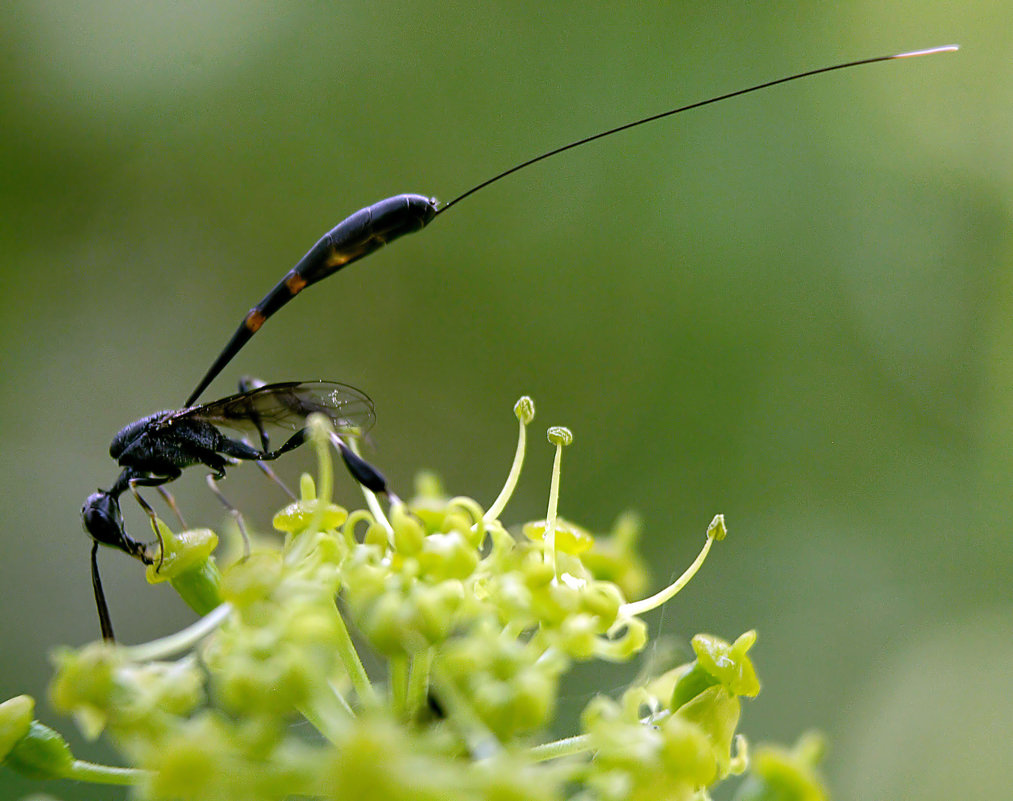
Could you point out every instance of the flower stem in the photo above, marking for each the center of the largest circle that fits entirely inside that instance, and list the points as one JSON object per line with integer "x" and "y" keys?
{"x": 83, "y": 771}
{"x": 418, "y": 682}
{"x": 568, "y": 746}
{"x": 353, "y": 665}
{"x": 647, "y": 604}
{"x": 523, "y": 418}
{"x": 328, "y": 712}
{"x": 181, "y": 640}
{"x": 399, "y": 684}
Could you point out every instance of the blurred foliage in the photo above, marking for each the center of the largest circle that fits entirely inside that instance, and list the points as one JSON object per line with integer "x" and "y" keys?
{"x": 793, "y": 308}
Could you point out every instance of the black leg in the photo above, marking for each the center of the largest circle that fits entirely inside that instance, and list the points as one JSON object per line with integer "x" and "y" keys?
{"x": 236, "y": 514}
{"x": 238, "y": 449}
{"x": 362, "y": 471}
{"x": 293, "y": 442}
{"x": 246, "y": 384}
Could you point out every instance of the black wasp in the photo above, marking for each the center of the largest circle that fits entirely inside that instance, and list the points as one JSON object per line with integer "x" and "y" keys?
{"x": 155, "y": 449}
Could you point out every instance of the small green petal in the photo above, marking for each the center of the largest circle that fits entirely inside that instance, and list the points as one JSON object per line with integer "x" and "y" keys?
{"x": 299, "y": 514}
{"x": 570, "y": 538}
{"x": 15, "y": 719}
{"x": 690, "y": 684}
{"x": 782, "y": 774}
{"x": 84, "y": 685}
{"x": 602, "y": 599}
{"x": 578, "y": 636}
{"x": 717, "y": 713}
{"x": 447, "y": 556}
{"x": 188, "y": 566}
{"x": 435, "y": 609}
{"x": 375, "y": 535}
{"x": 729, "y": 664}
{"x": 183, "y": 552}
{"x": 687, "y": 752}
{"x": 408, "y": 533}
{"x": 630, "y": 644}
{"x": 252, "y": 579}
{"x": 615, "y": 559}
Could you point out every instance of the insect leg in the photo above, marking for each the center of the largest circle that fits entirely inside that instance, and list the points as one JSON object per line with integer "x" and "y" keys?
{"x": 171, "y": 501}
{"x": 212, "y": 481}
{"x": 238, "y": 449}
{"x": 246, "y": 384}
{"x": 151, "y": 481}
{"x": 293, "y": 442}
{"x": 362, "y": 471}
{"x": 100, "y": 597}
{"x": 267, "y": 471}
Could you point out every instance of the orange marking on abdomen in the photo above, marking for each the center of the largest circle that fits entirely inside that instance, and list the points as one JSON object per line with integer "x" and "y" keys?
{"x": 337, "y": 258}
{"x": 254, "y": 320}
{"x": 295, "y": 283}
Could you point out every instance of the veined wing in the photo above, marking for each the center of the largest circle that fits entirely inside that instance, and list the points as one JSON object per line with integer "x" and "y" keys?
{"x": 287, "y": 404}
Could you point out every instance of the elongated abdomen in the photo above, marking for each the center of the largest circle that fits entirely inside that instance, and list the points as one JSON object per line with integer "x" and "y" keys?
{"x": 351, "y": 239}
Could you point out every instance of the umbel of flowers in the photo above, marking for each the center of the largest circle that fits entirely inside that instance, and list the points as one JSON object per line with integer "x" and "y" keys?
{"x": 474, "y": 630}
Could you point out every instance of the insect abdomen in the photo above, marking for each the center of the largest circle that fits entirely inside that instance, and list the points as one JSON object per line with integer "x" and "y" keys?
{"x": 363, "y": 232}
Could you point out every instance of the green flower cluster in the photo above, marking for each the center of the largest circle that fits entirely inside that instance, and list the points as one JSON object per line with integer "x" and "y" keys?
{"x": 266, "y": 697}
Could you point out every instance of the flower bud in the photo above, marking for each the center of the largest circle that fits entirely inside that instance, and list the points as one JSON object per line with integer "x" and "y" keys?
{"x": 15, "y": 719}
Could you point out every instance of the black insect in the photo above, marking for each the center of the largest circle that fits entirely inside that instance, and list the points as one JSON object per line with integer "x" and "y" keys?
{"x": 156, "y": 449}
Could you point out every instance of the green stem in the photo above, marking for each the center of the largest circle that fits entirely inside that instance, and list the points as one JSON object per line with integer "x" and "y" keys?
{"x": 328, "y": 712}
{"x": 181, "y": 640}
{"x": 104, "y": 774}
{"x": 568, "y": 746}
{"x": 399, "y": 685}
{"x": 515, "y": 471}
{"x": 579, "y": 743}
{"x": 418, "y": 682}
{"x": 481, "y": 742}
{"x": 200, "y": 586}
{"x": 550, "y": 517}
{"x": 647, "y": 604}
{"x": 320, "y": 433}
{"x": 353, "y": 665}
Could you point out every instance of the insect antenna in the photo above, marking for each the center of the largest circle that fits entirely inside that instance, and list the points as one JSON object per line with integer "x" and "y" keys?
{"x": 680, "y": 109}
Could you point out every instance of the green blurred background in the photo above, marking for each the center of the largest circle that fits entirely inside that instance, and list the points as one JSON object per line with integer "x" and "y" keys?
{"x": 793, "y": 308}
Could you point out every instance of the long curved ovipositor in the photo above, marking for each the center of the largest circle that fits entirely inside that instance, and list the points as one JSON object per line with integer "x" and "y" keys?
{"x": 374, "y": 226}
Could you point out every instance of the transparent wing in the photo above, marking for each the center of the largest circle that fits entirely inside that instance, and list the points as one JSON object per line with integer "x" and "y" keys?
{"x": 287, "y": 405}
